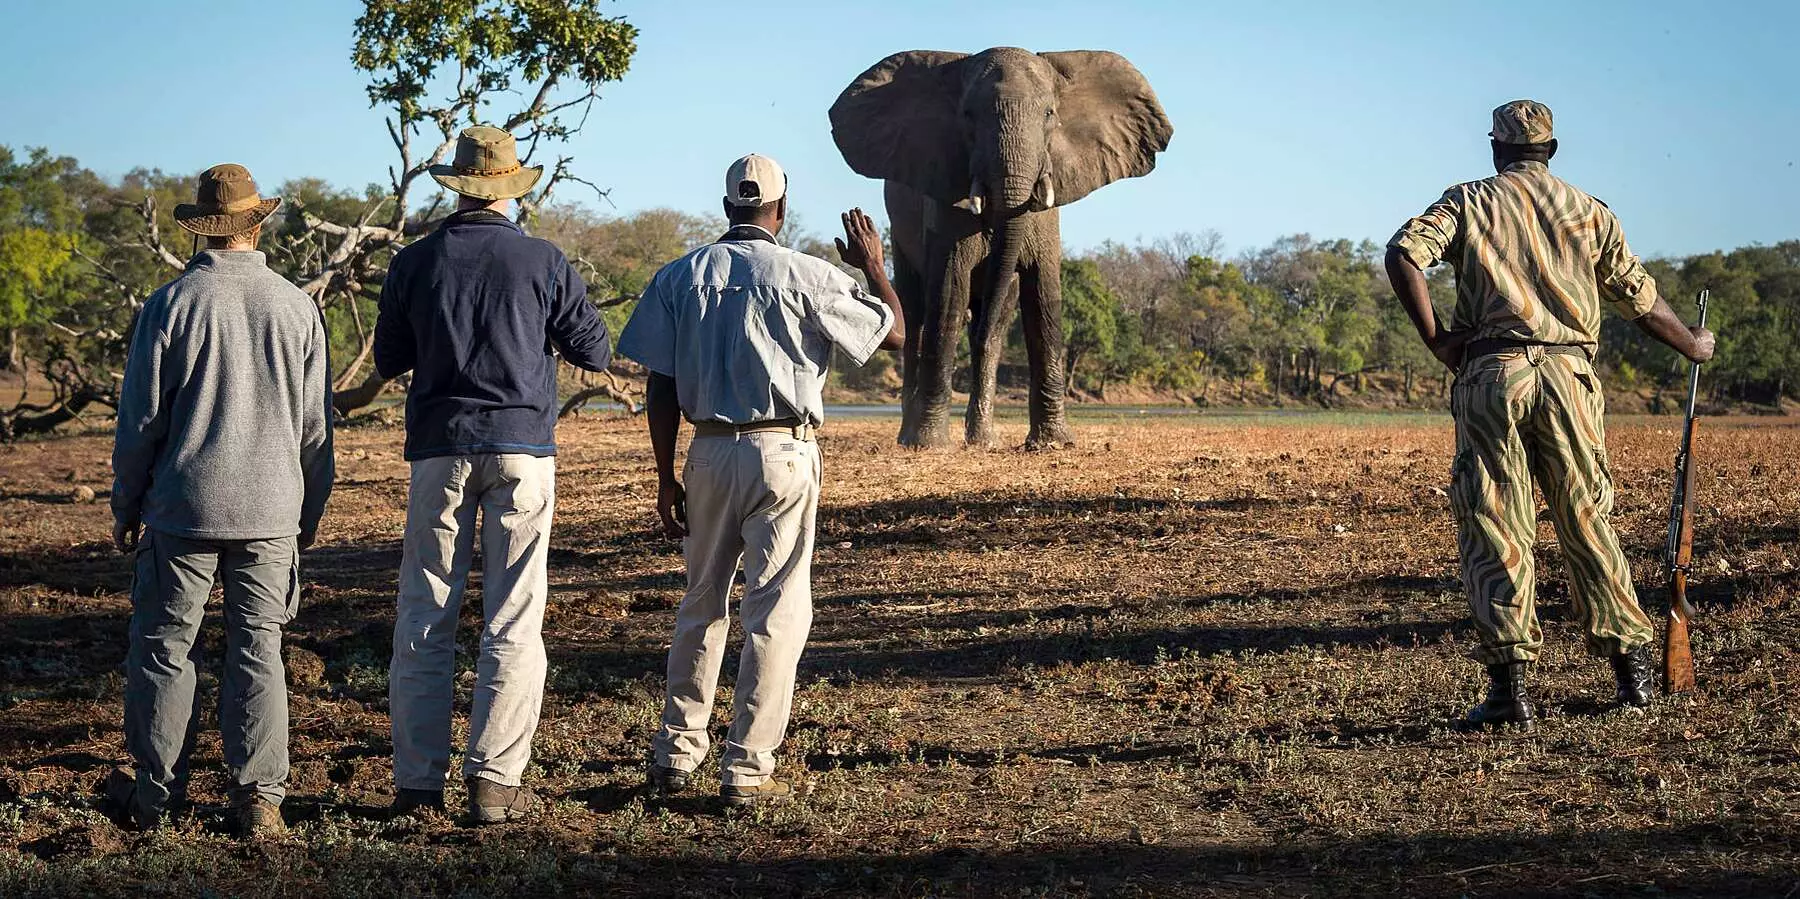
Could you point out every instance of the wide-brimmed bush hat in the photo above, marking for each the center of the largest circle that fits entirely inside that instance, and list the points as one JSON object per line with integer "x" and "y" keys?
{"x": 225, "y": 203}
{"x": 486, "y": 166}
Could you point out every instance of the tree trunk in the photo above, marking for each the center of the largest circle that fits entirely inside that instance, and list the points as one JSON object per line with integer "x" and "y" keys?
{"x": 1408, "y": 388}
{"x": 348, "y": 401}
{"x": 15, "y": 360}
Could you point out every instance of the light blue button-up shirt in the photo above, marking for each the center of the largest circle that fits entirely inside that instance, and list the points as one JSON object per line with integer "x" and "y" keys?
{"x": 747, "y": 329}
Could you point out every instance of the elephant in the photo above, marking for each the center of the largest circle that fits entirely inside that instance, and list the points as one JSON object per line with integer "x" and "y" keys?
{"x": 977, "y": 153}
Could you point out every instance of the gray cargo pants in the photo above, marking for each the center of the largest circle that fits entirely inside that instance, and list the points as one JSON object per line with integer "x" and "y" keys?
{"x": 174, "y": 577}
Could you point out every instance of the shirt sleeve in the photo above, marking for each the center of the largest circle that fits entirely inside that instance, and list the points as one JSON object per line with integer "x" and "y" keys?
{"x": 649, "y": 335}
{"x": 848, "y": 316}
{"x": 575, "y": 326}
{"x": 143, "y": 419}
{"x": 396, "y": 352}
{"x": 1426, "y": 237}
{"x": 1623, "y": 279}
{"x": 318, "y": 467}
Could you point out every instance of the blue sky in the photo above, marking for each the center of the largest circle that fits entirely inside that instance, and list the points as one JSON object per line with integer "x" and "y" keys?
{"x": 1338, "y": 119}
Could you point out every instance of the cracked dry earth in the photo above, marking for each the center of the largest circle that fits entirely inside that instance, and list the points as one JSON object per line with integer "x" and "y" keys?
{"x": 1192, "y": 656}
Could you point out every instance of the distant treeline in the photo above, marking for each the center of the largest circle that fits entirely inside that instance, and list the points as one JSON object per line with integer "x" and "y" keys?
{"x": 1301, "y": 319}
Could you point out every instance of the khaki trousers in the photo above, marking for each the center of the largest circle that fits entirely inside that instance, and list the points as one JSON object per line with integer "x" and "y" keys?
{"x": 516, "y": 495}
{"x": 1522, "y": 416}
{"x": 751, "y": 499}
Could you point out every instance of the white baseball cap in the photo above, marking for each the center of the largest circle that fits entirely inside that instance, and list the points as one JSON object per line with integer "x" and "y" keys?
{"x": 754, "y": 181}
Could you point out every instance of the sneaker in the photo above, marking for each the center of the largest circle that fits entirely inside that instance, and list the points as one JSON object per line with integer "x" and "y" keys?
{"x": 494, "y": 803}
{"x": 412, "y": 802}
{"x": 258, "y": 818}
{"x": 122, "y": 802}
{"x": 666, "y": 780}
{"x": 741, "y": 796}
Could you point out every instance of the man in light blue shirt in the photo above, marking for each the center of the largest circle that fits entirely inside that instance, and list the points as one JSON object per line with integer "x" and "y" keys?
{"x": 738, "y": 336}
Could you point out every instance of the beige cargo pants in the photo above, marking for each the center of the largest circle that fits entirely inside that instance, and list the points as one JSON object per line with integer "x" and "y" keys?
{"x": 751, "y": 498}
{"x": 516, "y": 496}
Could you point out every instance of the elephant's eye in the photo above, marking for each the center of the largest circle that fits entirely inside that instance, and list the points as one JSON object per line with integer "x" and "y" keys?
{"x": 1049, "y": 113}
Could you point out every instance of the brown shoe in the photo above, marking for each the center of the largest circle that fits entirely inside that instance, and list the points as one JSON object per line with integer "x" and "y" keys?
{"x": 742, "y": 796}
{"x": 494, "y": 803}
{"x": 258, "y": 818}
{"x": 413, "y": 802}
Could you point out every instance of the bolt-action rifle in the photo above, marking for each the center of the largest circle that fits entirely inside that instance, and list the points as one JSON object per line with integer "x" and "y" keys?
{"x": 1678, "y": 553}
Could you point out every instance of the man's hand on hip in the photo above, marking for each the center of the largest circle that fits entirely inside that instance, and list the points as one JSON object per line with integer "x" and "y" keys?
{"x": 860, "y": 246}
{"x": 1448, "y": 346}
{"x": 671, "y": 506}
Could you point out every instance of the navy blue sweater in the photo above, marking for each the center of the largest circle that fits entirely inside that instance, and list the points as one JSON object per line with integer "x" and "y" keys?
{"x": 474, "y": 310}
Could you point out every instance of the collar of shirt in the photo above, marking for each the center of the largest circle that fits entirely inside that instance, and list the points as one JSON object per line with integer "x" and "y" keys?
{"x": 1527, "y": 165}
{"x": 228, "y": 260}
{"x": 479, "y": 216}
{"x": 749, "y": 232}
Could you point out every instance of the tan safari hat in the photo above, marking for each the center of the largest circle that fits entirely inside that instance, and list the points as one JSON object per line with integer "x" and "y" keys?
{"x": 1522, "y": 122}
{"x": 754, "y": 181}
{"x": 225, "y": 203}
{"x": 486, "y": 166}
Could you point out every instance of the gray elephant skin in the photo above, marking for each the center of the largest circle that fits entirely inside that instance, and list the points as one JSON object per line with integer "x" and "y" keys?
{"x": 978, "y": 152}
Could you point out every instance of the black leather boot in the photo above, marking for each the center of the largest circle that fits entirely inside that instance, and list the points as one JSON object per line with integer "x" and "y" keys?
{"x": 1506, "y": 705}
{"x": 1637, "y": 682}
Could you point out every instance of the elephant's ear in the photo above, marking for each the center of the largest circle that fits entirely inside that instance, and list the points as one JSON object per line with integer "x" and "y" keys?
{"x": 899, "y": 121}
{"x": 1109, "y": 123}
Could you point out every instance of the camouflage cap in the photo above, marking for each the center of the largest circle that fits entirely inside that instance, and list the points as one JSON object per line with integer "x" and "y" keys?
{"x": 1522, "y": 122}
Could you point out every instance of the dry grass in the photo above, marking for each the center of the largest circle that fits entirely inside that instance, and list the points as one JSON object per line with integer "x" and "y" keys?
{"x": 1193, "y": 656}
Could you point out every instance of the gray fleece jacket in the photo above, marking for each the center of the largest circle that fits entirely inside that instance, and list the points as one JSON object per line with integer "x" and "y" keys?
{"x": 224, "y": 417}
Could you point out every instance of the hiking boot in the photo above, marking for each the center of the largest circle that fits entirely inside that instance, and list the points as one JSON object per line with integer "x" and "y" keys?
{"x": 1507, "y": 706}
{"x": 412, "y": 802}
{"x": 257, "y": 818}
{"x": 495, "y": 803}
{"x": 123, "y": 805}
{"x": 668, "y": 781}
{"x": 736, "y": 796}
{"x": 1637, "y": 682}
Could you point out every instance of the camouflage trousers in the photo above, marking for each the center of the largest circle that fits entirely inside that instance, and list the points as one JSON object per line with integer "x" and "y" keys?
{"x": 1524, "y": 415}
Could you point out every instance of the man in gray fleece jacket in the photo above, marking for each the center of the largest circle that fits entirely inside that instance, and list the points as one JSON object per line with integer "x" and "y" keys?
{"x": 223, "y": 461}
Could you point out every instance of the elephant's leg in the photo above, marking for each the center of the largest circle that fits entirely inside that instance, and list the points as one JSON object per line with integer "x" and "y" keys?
{"x": 947, "y": 301}
{"x": 910, "y": 286}
{"x": 1040, "y": 302}
{"x": 987, "y": 342}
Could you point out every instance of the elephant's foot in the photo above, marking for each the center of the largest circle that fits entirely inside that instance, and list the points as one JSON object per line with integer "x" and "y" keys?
{"x": 978, "y": 431}
{"x": 981, "y": 436}
{"x": 926, "y": 435}
{"x": 1050, "y": 435}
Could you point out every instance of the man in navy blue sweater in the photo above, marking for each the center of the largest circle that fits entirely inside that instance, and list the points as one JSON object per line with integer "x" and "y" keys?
{"x": 475, "y": 310}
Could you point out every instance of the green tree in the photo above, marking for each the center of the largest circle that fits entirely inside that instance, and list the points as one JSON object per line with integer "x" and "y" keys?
{"x": 1090, "y": 317}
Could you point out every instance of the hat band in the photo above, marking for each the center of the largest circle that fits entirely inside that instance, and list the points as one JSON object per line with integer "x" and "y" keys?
{"x": 487, "y": 173}
{"x": 230, "y": 208}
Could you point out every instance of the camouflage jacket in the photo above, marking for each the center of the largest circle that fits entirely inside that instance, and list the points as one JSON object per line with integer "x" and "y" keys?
{"x": 1533, "y": 255}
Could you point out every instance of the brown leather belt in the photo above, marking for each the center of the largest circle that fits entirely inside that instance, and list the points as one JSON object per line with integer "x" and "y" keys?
{"x": 1492, "y": 345}
{"x": 799, "y": 429}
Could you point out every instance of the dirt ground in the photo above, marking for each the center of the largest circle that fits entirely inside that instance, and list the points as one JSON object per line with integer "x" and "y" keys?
{"x": 1193, "y": 656}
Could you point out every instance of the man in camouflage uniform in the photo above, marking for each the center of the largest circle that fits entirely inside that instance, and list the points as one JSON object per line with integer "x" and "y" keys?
{"x": 1534, "y": 258}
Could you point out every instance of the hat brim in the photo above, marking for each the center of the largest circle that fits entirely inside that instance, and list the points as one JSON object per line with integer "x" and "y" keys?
{"x": 191, "y": 217}
{"x": 488, "y": 187}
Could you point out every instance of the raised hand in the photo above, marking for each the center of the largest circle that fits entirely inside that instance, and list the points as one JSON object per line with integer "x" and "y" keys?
{"x": 860, "y": 246}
